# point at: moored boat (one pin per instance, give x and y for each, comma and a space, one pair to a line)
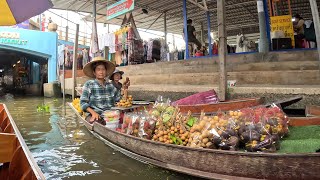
16, 161
215, 164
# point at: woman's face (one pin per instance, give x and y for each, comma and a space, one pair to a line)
116, 77
100, 72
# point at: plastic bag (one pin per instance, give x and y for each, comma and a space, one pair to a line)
203, 132
208, 97
159, 106
129, 122
111, 115
147, 126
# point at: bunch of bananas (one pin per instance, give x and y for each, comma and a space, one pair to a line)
76, 105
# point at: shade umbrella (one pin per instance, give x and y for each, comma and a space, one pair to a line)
16, 11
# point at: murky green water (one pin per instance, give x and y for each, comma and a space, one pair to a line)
65, 149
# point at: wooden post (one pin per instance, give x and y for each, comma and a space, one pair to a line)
106, 53
67, 33
222, 49
316, 21
75, 62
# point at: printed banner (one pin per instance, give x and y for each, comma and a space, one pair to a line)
283, 23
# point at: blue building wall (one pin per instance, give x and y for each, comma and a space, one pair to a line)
38, 43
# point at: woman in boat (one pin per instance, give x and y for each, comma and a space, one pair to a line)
115, 80
98, 94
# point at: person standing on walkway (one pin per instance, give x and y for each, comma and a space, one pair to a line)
192, 34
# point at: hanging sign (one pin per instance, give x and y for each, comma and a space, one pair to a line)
283, 23
119, 8
11, 38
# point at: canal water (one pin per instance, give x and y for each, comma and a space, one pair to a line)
65, 149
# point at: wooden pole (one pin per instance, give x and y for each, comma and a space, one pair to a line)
221, 13
75, 62
316, 21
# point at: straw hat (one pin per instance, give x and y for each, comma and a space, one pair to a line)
88, 68
116, 71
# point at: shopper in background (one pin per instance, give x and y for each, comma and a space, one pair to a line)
299, 29
192, 34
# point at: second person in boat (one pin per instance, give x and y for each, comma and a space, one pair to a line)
98, 94
115, 80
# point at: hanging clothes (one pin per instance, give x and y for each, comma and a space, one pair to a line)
85, 55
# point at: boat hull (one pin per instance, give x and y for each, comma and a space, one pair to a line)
219, 164
17, 160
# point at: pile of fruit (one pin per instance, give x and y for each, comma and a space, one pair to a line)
125, 101
171, 126
252, 129
76, 105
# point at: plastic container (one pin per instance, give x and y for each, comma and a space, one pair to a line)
112, 125
111, 115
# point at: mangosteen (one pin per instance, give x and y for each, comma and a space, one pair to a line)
224, 145
266, 143
242, 128
233, 141
216, 140
231, 132
225, 135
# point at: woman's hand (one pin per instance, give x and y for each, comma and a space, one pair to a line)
95, 117
126, 84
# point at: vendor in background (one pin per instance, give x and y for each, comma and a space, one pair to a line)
299, 29
115, 80
98, 94
192, 34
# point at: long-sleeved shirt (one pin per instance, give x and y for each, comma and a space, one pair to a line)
98, 97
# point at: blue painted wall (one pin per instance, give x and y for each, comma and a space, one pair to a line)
42, 44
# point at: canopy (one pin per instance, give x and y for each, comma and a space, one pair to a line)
16, 11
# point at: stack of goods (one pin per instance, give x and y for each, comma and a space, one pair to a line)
254, 130
139, 125
258, 129
112, 118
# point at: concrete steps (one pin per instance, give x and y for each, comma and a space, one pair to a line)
293, 77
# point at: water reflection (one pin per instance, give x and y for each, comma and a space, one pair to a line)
65, 149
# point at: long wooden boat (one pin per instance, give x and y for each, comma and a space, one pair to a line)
16, 161
213, 164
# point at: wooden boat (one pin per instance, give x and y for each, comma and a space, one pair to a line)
213, 164
16, 161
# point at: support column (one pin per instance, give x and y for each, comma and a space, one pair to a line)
267, 21
165, 27
221, 12
209, 33
67, 33
316, 21
95, 9
75, 62
263, 41
185, 27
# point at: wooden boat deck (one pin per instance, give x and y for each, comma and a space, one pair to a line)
17, 161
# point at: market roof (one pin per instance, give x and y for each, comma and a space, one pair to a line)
241, 15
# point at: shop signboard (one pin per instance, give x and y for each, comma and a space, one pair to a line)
119, 8
11, 38
283, 23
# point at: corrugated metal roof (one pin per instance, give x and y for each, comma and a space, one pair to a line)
241, 14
